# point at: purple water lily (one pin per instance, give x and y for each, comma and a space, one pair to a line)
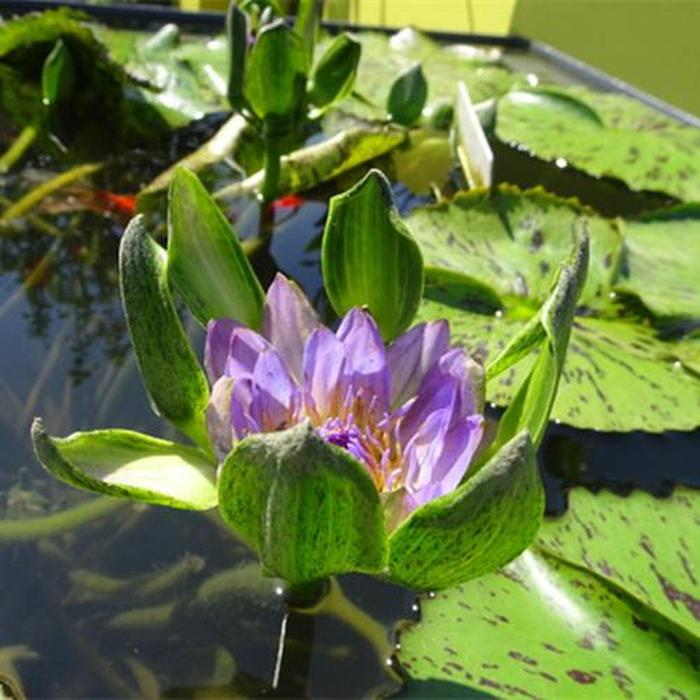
410, 412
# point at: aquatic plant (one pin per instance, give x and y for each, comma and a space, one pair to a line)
336, 452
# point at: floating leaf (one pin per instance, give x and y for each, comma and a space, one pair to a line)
205, 258
384, 58
482, 525
174, 380
615, 137
641, 544
129, 464
619, 374
307, 507
407, 96
369, 258
662, 253
547, 626
57, 75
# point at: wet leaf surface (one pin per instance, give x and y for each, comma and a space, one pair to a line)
605, 136
545, 627
489, 262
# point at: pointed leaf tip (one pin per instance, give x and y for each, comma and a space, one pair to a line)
369, 258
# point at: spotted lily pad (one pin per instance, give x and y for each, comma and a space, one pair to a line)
643, 545
489, 262
384, 58
604, 136
546, 626
661, 261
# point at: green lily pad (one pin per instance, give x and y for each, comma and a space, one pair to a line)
662, 253
385, 57
548, 627
183, 80
643, 545
489, 261
604, 136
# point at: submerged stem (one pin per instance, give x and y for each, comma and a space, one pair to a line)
271, 178
25, 529
36, 195
18, 147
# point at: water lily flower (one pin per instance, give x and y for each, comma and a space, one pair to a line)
411, 413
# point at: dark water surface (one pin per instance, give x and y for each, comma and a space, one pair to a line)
153, 602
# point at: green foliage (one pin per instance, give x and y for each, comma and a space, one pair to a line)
333, 76
307, 507
489, 519
276, 69
205, 260
131, 465
369, 258
237, 33
489, 259
602, 606
173, 378
57, 76
408, 96
605, 136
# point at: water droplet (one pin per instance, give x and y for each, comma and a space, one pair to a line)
398, 646
532, 79
279, 591
415, 607
678, 365
557, 421
561, 162
498, 314
493, 405
431, 594
389, 662
613, 295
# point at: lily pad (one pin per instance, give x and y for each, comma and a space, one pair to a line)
643, 545
384, 58
604, 136
662, 254
547, 627
489, 261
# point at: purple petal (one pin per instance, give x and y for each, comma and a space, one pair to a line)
218, 416
242, 420
277, 397
244, 350
325, 376
412, 355
442, 474
469, 375
216, 346
288, 319
366, 355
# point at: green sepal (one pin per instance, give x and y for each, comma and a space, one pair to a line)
275, 75
131, 465
334, 75
369, 257
237, 35
482, 525
308, 508
408, 96
206, 262
174, 380
551, 328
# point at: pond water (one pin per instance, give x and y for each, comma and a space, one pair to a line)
151, 602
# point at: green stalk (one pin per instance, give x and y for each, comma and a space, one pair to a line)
273, 158
18, 148
33, 197
25, 529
